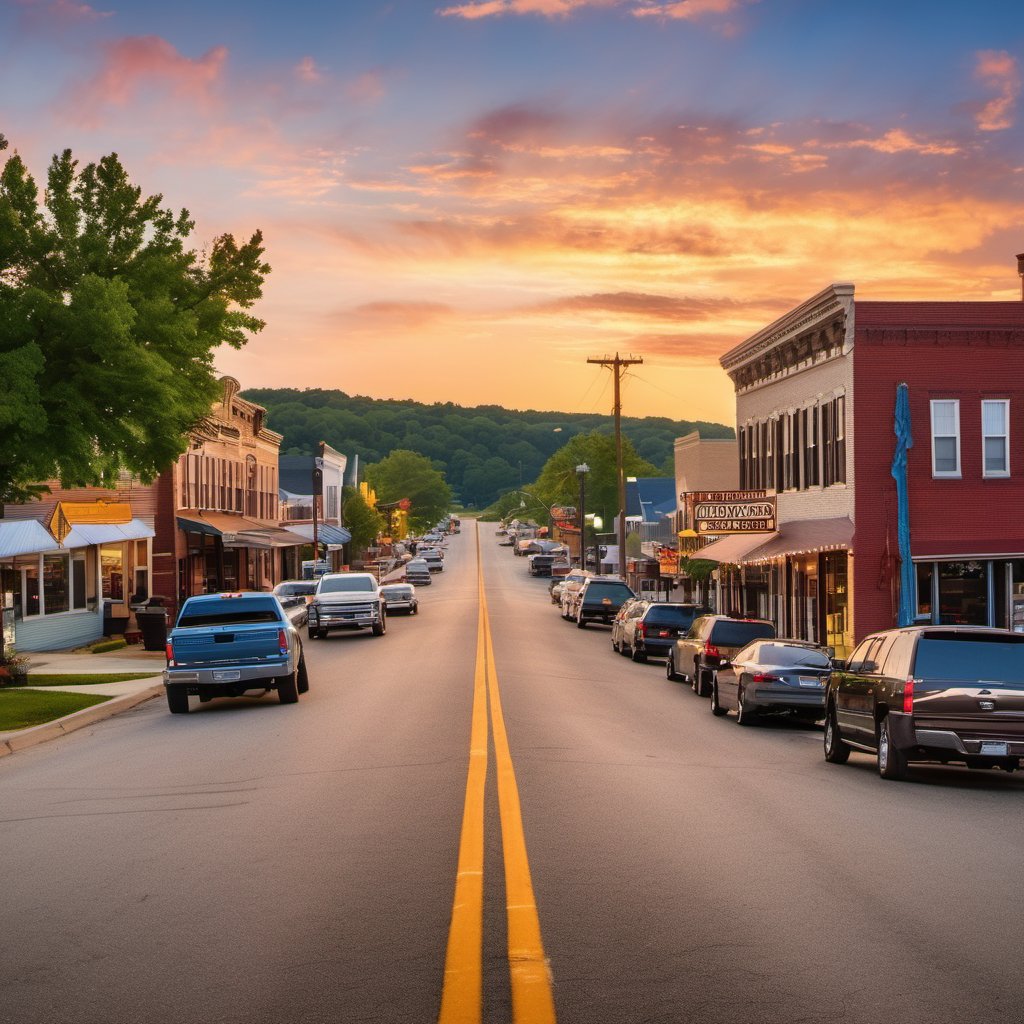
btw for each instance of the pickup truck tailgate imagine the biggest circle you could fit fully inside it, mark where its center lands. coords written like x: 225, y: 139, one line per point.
x: 236, y: 645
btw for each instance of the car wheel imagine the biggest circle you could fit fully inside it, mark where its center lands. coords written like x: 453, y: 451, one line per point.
x: 716, y: 708
x: 288, y: 688
x: 303, y: 676
x: 892, y: 763
x: 314, y: 634
x: 670, y: 669
x: 636, y: 655
x: 379, y: 628
x: 744, y: 715
x: 703, y: 682
x: 616, y: 647
x: 177, y: 700
x: 836, y: 751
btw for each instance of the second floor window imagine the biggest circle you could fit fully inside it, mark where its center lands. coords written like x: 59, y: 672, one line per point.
x: 995, y: 430
x: 945, y: 437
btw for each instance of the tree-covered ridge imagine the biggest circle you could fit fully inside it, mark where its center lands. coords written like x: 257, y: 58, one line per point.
x: 482, y: 450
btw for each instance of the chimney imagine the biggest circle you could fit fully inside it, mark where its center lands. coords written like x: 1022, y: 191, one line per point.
x: 1020, y: 270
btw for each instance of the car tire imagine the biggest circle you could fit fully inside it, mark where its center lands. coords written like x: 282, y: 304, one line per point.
x: 303, y: 676
x: 670, y: 669
x: 616, y: 647
x: 744, y: 715
x: 581, y: 623
x: 635, y: 655
x: 704, y: 680
x: 314, y: 634
x: 836, y: 750
x: 716, y: 708
x: 892, y: 763
x: 379, y: 628
x: 288, y: 688
x: 177, y: 700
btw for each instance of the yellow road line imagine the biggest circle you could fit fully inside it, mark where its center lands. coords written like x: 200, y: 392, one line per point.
x: 462, y: 995
x: 530, y: 977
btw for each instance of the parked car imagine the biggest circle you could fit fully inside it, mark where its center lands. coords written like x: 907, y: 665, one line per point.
x: 294, y: 596
x: 777, y: 676
x: 400, y: 597
x: 540, y: 564
x: 654, y: 630
x: 433, y: 559
x: 633, y: 607
x: 953, y: 694
x: 227, y: 645
x: 570, y: 585
x: 695, y: 657
x: 417, y: 572
x: 347, y: 600
x: 599, y: 600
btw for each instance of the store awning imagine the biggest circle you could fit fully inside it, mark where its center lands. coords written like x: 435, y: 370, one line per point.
x: 805, y: 536
x: 732, y: 549
x: 84, y: 534
x: 234, y: 530
x: 326, y: 533
x: 25, y: 537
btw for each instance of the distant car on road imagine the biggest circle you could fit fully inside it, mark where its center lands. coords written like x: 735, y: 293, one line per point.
x: 400, y: 597
x: 771, y: 677
x: 418, y: 572
x: 347, y: 600
x: 295, y: 596
x: 654, y: 629
x: 953, y: 694
x: 696, y: 656
x: 599, y: 600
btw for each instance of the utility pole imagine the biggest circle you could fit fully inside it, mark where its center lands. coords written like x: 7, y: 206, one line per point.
x: 617, y: 366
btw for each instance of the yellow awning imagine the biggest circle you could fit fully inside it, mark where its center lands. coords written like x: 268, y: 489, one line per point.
x: 75, y: 513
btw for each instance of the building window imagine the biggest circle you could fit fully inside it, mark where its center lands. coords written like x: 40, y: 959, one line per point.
x: 810, y: 432
x: 79, y: 578
x: 946, y: 437
x: 56, y: 584
x: 833, y: 441
x: 995, y: 439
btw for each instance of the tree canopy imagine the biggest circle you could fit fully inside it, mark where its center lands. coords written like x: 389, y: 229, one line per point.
x: 108, y: 324
x: 405, y: 474
x: 483, y: 450
x: 363, y: 522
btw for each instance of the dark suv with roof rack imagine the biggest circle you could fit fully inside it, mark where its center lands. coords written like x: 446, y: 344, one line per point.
x: 712, y: 639
x: 953, y: 694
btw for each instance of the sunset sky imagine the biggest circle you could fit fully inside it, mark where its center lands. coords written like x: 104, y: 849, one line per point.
x: 463, y: 201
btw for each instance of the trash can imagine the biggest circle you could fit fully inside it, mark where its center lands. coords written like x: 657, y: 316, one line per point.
x: 152, y: 620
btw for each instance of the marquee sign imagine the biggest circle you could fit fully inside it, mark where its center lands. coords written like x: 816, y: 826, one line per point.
x: 722, y: 512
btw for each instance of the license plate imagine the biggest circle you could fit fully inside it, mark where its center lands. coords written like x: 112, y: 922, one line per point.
x: 606, y: 600
x: 994, y: 749
x: 227, y: 675
x: 809, y: 681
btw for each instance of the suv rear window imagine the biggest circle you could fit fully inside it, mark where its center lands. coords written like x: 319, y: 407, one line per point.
x: 601, y: 590
x: 730, y: 633
x: 230, y: 611
x: 669, y: 615
x: 944, y: 662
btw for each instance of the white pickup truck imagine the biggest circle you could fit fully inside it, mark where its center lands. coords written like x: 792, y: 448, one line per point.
x: 347, y: 600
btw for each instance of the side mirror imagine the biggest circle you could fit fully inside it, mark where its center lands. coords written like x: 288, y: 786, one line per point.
x: 838, y: 665
x: 725, y: 663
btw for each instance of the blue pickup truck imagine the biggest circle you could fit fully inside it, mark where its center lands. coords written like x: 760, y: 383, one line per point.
x: 225, y: 645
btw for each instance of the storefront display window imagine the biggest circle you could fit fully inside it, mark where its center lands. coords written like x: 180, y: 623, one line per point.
x: 963, y: 593
x: 79, y: 576
x: 837, y: 601
x: 28, y: 571
x: 925, y: 572
x: 112, y: 569
x: 56, y: 584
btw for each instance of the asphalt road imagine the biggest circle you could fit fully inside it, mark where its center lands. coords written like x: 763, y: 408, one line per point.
x: 253, y: 862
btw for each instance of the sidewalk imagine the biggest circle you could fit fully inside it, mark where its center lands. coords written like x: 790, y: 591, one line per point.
x: 122, y: 695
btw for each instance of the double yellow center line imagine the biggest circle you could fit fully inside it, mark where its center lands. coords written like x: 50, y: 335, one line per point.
x: 462, y: 996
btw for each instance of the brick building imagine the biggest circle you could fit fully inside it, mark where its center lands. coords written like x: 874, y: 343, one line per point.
x: 815, y: 398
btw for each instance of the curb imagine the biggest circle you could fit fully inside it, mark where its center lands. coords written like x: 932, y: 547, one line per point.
x: 13, y: 741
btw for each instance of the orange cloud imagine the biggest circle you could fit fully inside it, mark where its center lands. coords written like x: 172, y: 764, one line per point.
x: 688, y: 10
x: 135, y: 63
x: 998, y: 70
x: 896, y: 140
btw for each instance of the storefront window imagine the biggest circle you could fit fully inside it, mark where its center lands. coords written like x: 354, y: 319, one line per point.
x: 925, y: 571
x: 837, y: 601
x: 78, y: 580
x: 28, y: 570
x: 112, y: 569
x: 56, y: 584
x: 10, y: 585
x: 963, y: 593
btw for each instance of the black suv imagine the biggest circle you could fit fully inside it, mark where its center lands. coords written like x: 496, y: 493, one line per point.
x: 929, y: 693
x: 653, y: 633
x: 710, y: 640
x: 600, y: 599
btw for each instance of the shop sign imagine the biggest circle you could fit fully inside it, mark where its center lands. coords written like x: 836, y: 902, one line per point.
x: 668, y: 561
x: 723, y: 512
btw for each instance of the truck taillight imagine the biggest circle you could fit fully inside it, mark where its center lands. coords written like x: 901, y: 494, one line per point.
x: 169, y: 650
x: 282, y: 641
x: 908, y: 696
x: 710, y: 650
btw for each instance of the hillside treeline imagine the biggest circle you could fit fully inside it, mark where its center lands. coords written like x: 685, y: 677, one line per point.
x: 482, y: 451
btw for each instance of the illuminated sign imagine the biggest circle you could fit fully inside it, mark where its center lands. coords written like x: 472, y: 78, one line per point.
x: 722, y: 512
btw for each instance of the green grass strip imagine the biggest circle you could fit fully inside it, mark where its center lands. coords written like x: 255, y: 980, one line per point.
x: 86, y: 679
x: 20, y: 709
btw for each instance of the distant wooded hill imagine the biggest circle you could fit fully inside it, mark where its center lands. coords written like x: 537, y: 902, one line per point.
x: 483, y: 451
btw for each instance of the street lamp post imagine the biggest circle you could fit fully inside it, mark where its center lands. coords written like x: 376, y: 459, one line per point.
x: 581, y: 472
x: 598, y: 527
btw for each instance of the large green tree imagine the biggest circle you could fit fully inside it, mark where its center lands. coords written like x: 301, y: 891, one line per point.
x: 108, y: 324
x: 405, y: 474
x: 363, y: 522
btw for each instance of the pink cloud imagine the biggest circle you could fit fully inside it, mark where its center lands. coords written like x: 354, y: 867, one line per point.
x: 998, y: 70
x: 307, y: 71
x: 134, y: 63
x: 688, y: 10
x: 367, y: 88
x: 674, y: 10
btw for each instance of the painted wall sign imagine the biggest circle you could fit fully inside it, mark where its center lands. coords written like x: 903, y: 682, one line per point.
x: 722, y: 512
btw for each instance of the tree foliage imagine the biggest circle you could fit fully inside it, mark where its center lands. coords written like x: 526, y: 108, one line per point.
x: 363, y: 522
x: 405, y: 474
x: 108, y: 324
x: 483, y: 451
